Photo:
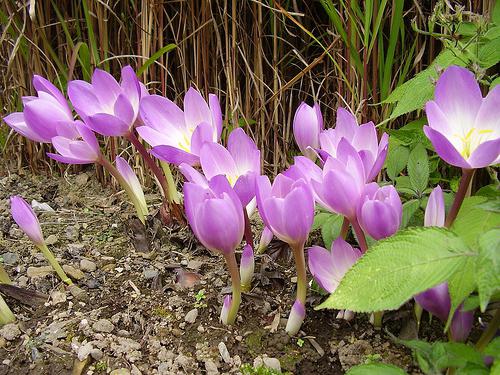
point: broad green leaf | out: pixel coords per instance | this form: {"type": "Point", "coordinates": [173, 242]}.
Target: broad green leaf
{"type": "Point", "coordinates": [490, 191]}
{"type": "Point", "coordinates": [396, 160]}
{"type": "Point", "coordinates": [473, 369]}
{"type": "Point", "coordinates": [392, 271]}
{"type": "Point", "coordinates": [418, 168]}
{"type": "Point", "coordinates": [489, 54]}
{"type": "Point", "coordinates": [493, 348]}
{"type": "Point", "coordinates": [461, 284]}
{"type": "Point", "coordinates": [319, 219]}
{"type": "Point", "coordinates": [403, 185]}
{"type": "Point", "coordinates": [375, 369]}
{"type": "Point", "coordinates": [472, 220]}
{"type": "Point", "coordinates": [409, 209]}
{"type": "Point", "coordinates": [495, 82]}
{"type": "Point", "coordinates": [331, 229]}
{"type": "Point", "coordinates": [488, 266]}
{"type": "Point", "coordinates": [454, 354]}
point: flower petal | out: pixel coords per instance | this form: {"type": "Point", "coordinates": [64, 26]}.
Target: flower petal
{"type": "Point", "coordinates": [445, 149]}
{"type": "Point", "coordinates": [106, 124]}
{"type": "Point", "coordinates": [196, 109]}
{"type": "Point", "coordinates": [215, 160]}
{"type": "Point", "coordinates": [174, 155]}
{"type": "Point", "coordinates": [435, 212]}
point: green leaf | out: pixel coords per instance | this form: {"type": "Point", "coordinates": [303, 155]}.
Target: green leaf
{"type": "Point", "coordinates": [472, 220]}
{"type": "Point", "coordinates": [493, 348]}
{"type": "Point", "coordinates": [461, 284]}
{"type": "Point", "coordinates": [156, 56]}
{"type": "Point", "coordinates": [403, 185]}
{"type": "Point", "coordinates": [488, 266]}
{"type": "Point", "coordinates": [473, 369]}
{"type": "Point", "coordinates": [375, 369]}
{"type": "Point", "coordinates": [391, 272]}
{"type": "Point", "coordinates": [454, 354]}
{"type": "Point", "coordinates": [320, 219]}
{"type": "Point", "coordinates": [396, 161]}
{"type": "Point", "coordinates": [409, 209]}
{"type": "Point", "coordinates": [495, 82]}
{"type": "Point", "coordinates": [331, 229]}
{"type": "Point", "coordinates": [418, 168]}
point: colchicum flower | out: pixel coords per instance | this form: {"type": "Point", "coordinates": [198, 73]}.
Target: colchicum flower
{"type": "Point", "coordinates": [265, 239]}
{"type": "Point", "coordinates": [287, 209]}
{"type": "Point", "coordinates": [437, 300]}
{"type": "Point", "coordinates": [464, 127]}
{"type": "Point", "coordinates": [363, 138]}
{"type": "Point", "coordinates": [44, 116]}
{"type": "Point", "coordinates": [307, 125]}
{"type": "Point", "coordinates": [215, 215]}
{"type": "Point", "coordinates": [107, 107]}
{"type": "Point", "coordinates": [84, 150]}
{"type": "Point", "coordinates": [329, 267]}
{"type": "Point", "coordinates": [175, 135]}
{"type": "Point", "coordinates": [26, 219]}
{"type": "Point", "coordinates": [380, 211]}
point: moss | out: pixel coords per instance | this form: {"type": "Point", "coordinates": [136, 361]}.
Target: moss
{"type": "Point", "coordinates": [161, 312]}
{"type": "Point", "coordinates": [254, 341]}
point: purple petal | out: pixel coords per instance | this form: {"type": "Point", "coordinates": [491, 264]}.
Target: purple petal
{"type": "Point", "coordinates": [124, 110]}
{"type": "Point", "coordinates": [378, 219]}
{"type": "Point", "coordinates": [196, 109]}
{"type": "Point", "coordinates": [41, 116]}
{"type": "Point", "coordinates": [243, 151]}
{"type": "Point", "coordinates": [201, 135]}
{"type": "Point", "coordinates": [306, 127]}
{"type": "Point", "coordinates": [381, 156]}
{"type": "Point", "coordinates": [130, 177]}
{"type": "Point", "coordinates": [162, 114]}
{"type": "Point", "coordinates": [25, 217]}
{"type": "Point", "coordinates": [299, 213]}
{"type": "Point", "coordinates": [154, 137]}
{"type": "Point", "coordinates": [131, 88]}
{"type": "Point", "coordinates": [174, 155]}
{"type": "Point", "coordinates": [438, 120]}
{"type": "Point", "coordinates": [16, 121]}
{"type": "Point", "coordinates": [88, 137]}
{"type": "Point", "coordinates": [67, 159]}
{"type": "Point", "coordinates": [43, 85]}
{"type": "Point", "coordinates": [459, 96]}
{"type": "Point", "coordinates": [487, 153]}
{"type": "Point", "coordinates": [346, 124]}
{"type": "Point", "coordinates": [194, 195]}
{"type": "Point", "coordinates": [436, 301]}
{"type": "Point", "coordinates": [296, 318]}
{"type": "Point", "coordinates": [83, 98]}
{"type": "Point", "coordinates": [435, 212]}
{"type": "Point", "coordinates": [106, 89]}
{"type": "Point", "coordinates": [215, 160]}
{"type": "Point", "coordinates": [213, 100]}
{"type": "Point", "coordinates": [445, 148]}
{"type": "Point", "coordinates": [106, 124]}
{"type": "Point", "coordinates": [344, 256]}
{"type": "Point", "coordinates": [322, 268]}
{"type": "Point", "coordinates": [489, 113]}
{"type": "Point", "coordinates": [245, 188]}
{"type": "Point", "coordinates": [461, 324]}
{"type": "Point", "coordinates": [192, 175]}
{"type": "Point", "coordinates": [247, 265]}
{"type": "Point", "coordinates": [262, 193]}
{"type": "Point", "coordinates": [265, 239]}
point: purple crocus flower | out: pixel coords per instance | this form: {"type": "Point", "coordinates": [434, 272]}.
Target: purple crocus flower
{"type": "Point", "coordinates": [240, 163]}
{"type": "Point", "coordinates": [286, 207]}
{"type": "Point", "coordinates": [25, 217]}
{"type": "Point", "coordinates": [176, 135]}
{"type": "Point", "coordinates": [84, 150]}
{"type": "Point", "coordinates": [226, 307]}
{"type": "Point", "coordinates": [464, 127]}
{"type": "Point", "coordinates": [437, 300]}
{"type": "Point", "coordinates": [363, 139]}
{"type": "Point", "coordinates": [307, 125]}
{"type": "Point", "coordinates": [380, 211]}
{"type": "Point", "coordinates": [131, 179]}
{"type": "Point", "coordinates": [215, 214]}
{"type": "Point", "coordinates": [296, 317]}
{"type": "Point", "coordinates": [107, 107]}
{"type": "Point", "coordinates": [328, 267]}
{"type": "Point", "coordinates": [265, 239]}
{"type": "Point", "coordinates": [44, 116]}
{"type": "Point", "coordinates": [342, 181]}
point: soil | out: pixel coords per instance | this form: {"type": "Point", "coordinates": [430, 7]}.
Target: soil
{"type": "Point", "coordinates": [153, 297]}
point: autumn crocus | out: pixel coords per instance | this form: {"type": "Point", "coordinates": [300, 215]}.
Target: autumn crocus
{"type": "Point", "coordinates": [130, 177]}
{"type": "Point", "coordinates": [108, 107]}
{"type": "Point", "coordinates": [215, 215]}
{"type": "Point", "coordinates": [44, 116]}
{"type": "Point", "coordinates": [307, 125]}
{"type": "Point", "coordinates": [26, 219]}
{"type": "Point", "coordinates": [287, 209]}
{"type": "Point", "coordinates": [176, 135]}
{"type": "Point", "coordinates": [380, 211]}
{"type": "Point", "coordinates": [265, 239]}
{"type": "Point", "coordinates": [328, 267]}
{"type": "Point", "coordinates": [247, 266]}
{"type": "Point", "coordinates": [437, 300]}
{"type": "Point", "coordinates": [363, 138]}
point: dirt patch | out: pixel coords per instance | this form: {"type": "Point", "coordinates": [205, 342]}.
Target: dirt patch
{"type": "Point", "coordinates": [154, 298]}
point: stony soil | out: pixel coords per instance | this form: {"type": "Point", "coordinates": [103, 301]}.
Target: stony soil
{"type": "Point", "coordinates": [152, 298]}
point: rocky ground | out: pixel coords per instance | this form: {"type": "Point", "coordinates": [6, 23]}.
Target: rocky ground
{"type": "Point", "coordinates": [152, 298]}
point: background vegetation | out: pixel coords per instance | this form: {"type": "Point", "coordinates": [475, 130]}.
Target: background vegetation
{"type": "Point", "coordinates": [261, 57]}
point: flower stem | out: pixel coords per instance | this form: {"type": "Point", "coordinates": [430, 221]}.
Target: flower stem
{"type": "Point", "coordinates": [345, 228]}
{"type": "Point", "coordinates": [300, 265]}
{"type": "Point", "coordinates": [490, 332]}
{"type": "Point", "coordinates": [168, 191]}
{"type": "Point", "coordinates": [173, 194]}
{"type": "Point", "coordinates": [125, 186]}
{"type": "Point", "coordinates": [54, 263]}
{"type": "Point", "coordinates": [377, 319]}
{"type": "Point", "coordinates": [360, 235]}
{"type": "Point", "coordinates": [4, 277]}
{"type": "Point", "coordinates": [6, 315]}
{"type": "Point", "coordinates": [465, 181]}
{"type": "Point", "coordinates": [232, 267]}
{"type": "Point", "coordinates": [248, 229]}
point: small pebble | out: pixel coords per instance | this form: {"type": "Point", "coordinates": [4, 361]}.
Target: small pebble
{"type": "Point", "coordinates": [87, 265]}
{"type": "Point", "coordinates": [191, 316]}
{"type": "Point", "coordinates": [103, 325]}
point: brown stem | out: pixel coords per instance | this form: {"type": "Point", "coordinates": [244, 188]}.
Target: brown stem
{"type": "Point", "coordinates": [465, 181]}
{"type": "Point", "coordinates": [360, 235]}
{"type": "Point", "coordinates": [248, 229]}
{"type": "Point", "coordinates": [171, 207]}
{"type": "Point", "coordinates": [345, 228]}
{"type": "Point", "coordinates": [490, 332]}
{"type": "Point", "coordinates": [300, 265]}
